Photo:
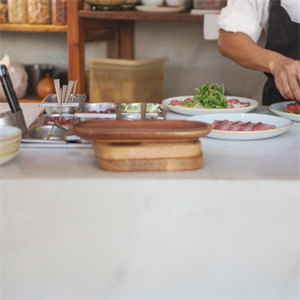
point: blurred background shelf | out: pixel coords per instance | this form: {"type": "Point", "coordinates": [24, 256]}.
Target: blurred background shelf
{"type": "Point", "coordinates": [139, 16]}
{"type": "Point", "coordinates": [33, 28]}
{"type": "Point", "coordinates": [26, 99]}
{"type": "Point", "coordinates": [85, 26]}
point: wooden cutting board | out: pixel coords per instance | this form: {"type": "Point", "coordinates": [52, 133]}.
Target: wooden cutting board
{"type": "Point", "coordinates": [149, 157]}
{"type": "Point", "coordinates": [147, 150]}
{"type": "Point", "coordinates": [165, 164]}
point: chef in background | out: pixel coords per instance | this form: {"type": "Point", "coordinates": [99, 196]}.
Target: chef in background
{"type": "Point", "coordinates": [241, 23]}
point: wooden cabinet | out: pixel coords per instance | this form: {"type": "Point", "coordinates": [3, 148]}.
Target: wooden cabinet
{"type": "Point", "coordinates": [116, 27]}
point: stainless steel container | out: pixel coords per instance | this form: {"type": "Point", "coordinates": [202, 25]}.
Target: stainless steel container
{"type": "Point", "coordinates": [133, 111]}
{"type": "Point", "coordinates": [53, 107]}
{"type": "Point", "coordinates": [66, 119]}
{"type": "Point", "coordinates": [101, 110]}
{"type": "Point", "coordinates": [48, 133]}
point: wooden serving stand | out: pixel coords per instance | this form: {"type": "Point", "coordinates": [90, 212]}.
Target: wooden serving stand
{"type": "Point", "coordinates": [145, 145]}
{"type": "Point", "coordinates": [149, 156]}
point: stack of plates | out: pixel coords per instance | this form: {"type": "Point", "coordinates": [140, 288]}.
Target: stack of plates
{"type": "Point", "coordinates": [10, 139]}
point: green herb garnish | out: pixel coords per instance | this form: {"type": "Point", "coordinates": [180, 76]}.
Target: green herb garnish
{"type": "Point", "coordinates": [209, 96]}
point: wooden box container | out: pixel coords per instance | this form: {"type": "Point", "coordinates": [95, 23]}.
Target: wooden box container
{"type": "Point", "coordinates": [121, 80]}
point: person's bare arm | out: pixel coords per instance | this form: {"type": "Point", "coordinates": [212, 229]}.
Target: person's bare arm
{"type": "Point", "coordinates": [241, 49]}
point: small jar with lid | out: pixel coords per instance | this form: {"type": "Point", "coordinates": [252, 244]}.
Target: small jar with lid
{"type": "Point", "coordinates": [17, 11]}
{"type": "Point", "coordinates": [59, 12]}
{"type": "Point", "coordinates": [3, 11]}
{"type": "Point", "coordinates": [38, 11]}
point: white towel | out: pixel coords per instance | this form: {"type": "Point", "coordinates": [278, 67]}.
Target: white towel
{"type": "Point", "coordinates": [210, 27]}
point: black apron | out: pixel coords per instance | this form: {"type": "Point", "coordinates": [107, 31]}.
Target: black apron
{"type": "Point", "coordinates": [283, 37]}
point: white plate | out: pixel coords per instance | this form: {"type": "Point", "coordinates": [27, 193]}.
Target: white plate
{"type": "Point", "coordinates": [200, 111]}
{"type": "Point", "coordinates": [6, 158]}
{"type": "Point", "coordinates": [10, 150]}
{"type": "Point", "coordinates": [9, 133]}
{"type": "Point", "coordinates": [282, 125]}
{"type": "Point", "coordinates": [9, 142]}
{"type": "Point", "coordinates": [6, 146]}
{"type": "Point", "coordinates": [277, 108]}
{"type": "Point", "coordinates": [158, 9]}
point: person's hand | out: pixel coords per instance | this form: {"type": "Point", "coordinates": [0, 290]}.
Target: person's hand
{"type": "Point", "coordinates": [286, 72]}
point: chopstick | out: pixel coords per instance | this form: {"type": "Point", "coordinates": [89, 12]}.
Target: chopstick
{"type": "Point", "coordinates": [63, 94]}
{"type": "Point", "coordinates": [58, 95]}
{"type": "Point", "coordinates": [57, 89]}
{"type": "Point", "coordinates": [69, 90]}
{"type": "Point", "coordinates": [74, 90]}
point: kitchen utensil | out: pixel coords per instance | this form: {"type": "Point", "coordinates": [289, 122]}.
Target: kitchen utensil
{"type": "Point", "coordinates": [9, 90]}
{"type": "Point", "coordinates": [15, 117]}
{"type": "Point", "coordinates": [143, 110]}
{"type": "Point", "coordinates": [63, 93]}
{"type": "Point", "coordinates": [69, 90]}
{"type": "Point", "coordinates": [74, 90]}
{"type": "Point", "coordinates": [57, 89]}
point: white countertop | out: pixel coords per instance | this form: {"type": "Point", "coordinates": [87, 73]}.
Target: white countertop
{"type": "Point", "coordinates": [267, 159]}
{"type": "Point", "coordinates": [227, 231]}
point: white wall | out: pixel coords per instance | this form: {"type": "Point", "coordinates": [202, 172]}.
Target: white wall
{"type": "Point", "coordinates": [192, 60]}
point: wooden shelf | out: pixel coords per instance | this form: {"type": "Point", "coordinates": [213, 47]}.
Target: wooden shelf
{"type": "Point", "coordinates": [33, 28]}
{"type": "Point", "coordinates": [134, 15]}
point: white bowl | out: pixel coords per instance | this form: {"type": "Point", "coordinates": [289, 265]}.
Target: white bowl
{"type": "Point", "coordinates": [9, 132]}
{"type": "Point", "coordinates": [152, 2]}
{"type": "Point", "coordinates": [175, 2]}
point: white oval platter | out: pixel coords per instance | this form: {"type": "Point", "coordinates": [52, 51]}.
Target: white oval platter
{"type": "Point", "coordinates": [281, 126]}
{"type": "Point", "coordinates": [200, 111]}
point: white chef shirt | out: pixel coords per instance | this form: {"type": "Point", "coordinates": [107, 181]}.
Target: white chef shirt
{"type": "Point", "coordinates": [251, 16]}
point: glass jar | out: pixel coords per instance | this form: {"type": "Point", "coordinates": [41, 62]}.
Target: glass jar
{"type": "Point", "coordinates": [17, 11]}
{"type": "Point", "coordinates": [3, 11]}
{"type": "Point", "coordinates": [59, 12]}
{"type": "Point", "coordinates": [39, 11]}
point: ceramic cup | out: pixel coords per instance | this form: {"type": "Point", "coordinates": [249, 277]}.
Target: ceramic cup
{"type": "Point", "coordinates": [175, 2]}
{"type": "Point", "coordinates": [152, 2]}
